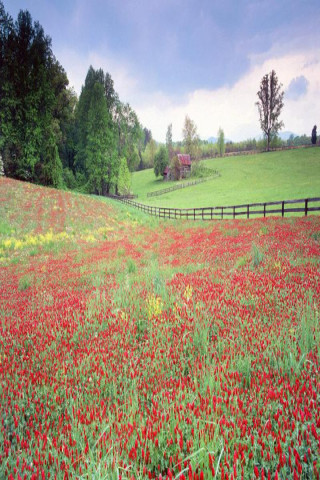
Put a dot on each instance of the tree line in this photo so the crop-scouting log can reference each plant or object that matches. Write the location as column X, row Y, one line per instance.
column 47, row 134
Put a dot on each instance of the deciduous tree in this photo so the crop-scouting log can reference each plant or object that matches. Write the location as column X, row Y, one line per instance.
column 191, row 139
column 270, row 105
column 161, row 161
column 124, row 178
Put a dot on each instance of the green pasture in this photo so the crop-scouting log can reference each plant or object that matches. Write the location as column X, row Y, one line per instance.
column 263, row 177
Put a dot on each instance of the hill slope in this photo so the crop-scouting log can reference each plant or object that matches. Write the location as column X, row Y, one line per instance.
column 135, row 348
column 263, row 177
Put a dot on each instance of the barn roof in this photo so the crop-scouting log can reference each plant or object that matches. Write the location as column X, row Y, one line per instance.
column 184, row 159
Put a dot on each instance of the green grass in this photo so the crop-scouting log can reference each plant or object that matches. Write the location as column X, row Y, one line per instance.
column 262, row 177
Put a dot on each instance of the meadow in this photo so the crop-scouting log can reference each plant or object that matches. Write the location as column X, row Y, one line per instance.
column 135, row 348
column 264, row 177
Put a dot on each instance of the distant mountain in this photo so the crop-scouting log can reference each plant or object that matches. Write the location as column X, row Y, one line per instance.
column 215, row 139
column 286, row 135
column 283, row 135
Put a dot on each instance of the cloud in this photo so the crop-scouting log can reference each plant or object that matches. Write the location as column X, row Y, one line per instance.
column 297, row 87
column 233, row 108
column 77, row 65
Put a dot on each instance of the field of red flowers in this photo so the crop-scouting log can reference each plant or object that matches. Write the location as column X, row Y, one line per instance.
column 137, row 349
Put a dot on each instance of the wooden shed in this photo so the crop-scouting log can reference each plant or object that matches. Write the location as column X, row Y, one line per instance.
column 185, row 165
column 182, row 168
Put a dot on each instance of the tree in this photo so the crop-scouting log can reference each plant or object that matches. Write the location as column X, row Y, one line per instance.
column 314, row 135
column 129, row 132
column 220, row 142
column 270, row 105
column 149, row 153
column 33, row 97
column 175, row 168
column 147, row 136
column 124, row 178
column 161, row 161
column 100, row 151
column 169, row 143
column 191, row 138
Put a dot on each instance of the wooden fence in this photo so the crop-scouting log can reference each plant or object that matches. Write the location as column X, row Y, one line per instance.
column 184, row 184
column 302, row 206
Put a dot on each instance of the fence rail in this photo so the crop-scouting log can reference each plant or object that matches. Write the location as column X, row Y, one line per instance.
column 213, row 173
column 304, row 206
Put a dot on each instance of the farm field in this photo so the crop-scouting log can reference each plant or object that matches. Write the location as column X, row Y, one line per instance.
column 264, row 177
column 134, row 348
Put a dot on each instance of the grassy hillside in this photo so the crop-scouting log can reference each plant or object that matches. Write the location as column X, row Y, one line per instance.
column 245, row 179
column 134, row 348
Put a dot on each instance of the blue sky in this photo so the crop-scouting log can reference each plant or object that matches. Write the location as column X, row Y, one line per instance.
column 203, row 58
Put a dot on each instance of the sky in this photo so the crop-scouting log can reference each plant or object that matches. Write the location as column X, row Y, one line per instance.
column 201, row 58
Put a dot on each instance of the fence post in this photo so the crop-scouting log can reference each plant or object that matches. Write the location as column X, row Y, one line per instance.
column 234, row 211
column 282, row 209
column 222, row 212
column 264, row 210
column 248, row 206
column 306, row 207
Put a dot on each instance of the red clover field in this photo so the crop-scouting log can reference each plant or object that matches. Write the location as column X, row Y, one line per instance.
column 134, row 348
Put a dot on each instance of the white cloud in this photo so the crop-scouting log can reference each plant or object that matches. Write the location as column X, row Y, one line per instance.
column 231, row 107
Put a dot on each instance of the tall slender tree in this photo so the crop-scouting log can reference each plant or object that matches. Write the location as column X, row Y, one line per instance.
column 191, row 138
column 169, row 143
column 221, row 142
column 100, row 150
column 270, row 105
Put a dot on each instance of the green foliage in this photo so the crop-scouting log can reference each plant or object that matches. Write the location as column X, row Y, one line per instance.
column 32, row 101
column 161, row 161
column 175, row 168
column 106, row 131
column 124, row 178
column 24, row 282
column 191, row 139
column 129, row 133
column 220, row 142
column 46, row 135
column 270, row 105
column 131, row 265
column 100, row 150
column 257, row 256
column 149, row 154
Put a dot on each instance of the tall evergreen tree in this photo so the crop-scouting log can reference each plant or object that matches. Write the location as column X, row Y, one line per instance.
column 221, row 142
column 101, row 155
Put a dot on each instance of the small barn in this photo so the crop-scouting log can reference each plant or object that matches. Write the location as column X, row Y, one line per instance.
column 185, row 165
column 182, row 168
